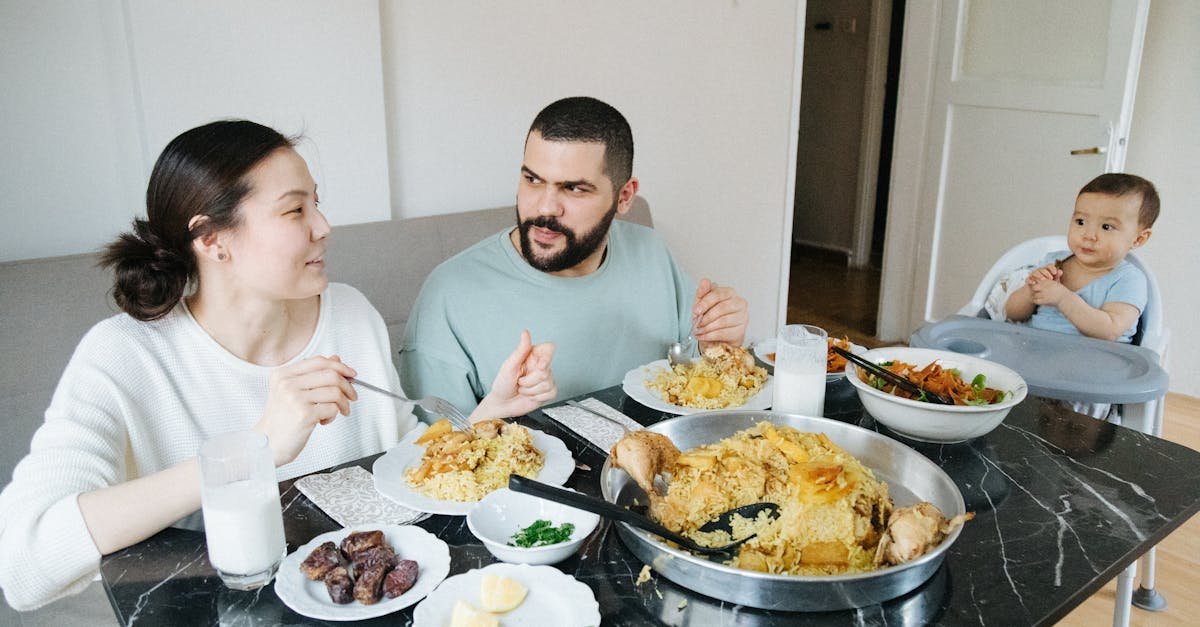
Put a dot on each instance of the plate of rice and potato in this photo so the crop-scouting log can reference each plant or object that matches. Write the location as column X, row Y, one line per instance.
column 725, row 377
column 440, row 470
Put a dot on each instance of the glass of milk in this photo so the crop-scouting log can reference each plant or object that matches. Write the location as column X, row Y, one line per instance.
column 800, row 361
column 243, row 522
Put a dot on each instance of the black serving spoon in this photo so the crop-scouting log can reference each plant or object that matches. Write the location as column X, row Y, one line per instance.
column 893, row 378
column 517, row 483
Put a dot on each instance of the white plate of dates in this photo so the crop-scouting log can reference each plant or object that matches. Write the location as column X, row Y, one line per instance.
column 362, row 571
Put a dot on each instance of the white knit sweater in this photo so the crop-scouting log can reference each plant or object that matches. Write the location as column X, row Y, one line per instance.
column 140, row 397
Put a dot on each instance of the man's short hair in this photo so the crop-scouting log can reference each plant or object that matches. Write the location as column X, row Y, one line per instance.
column 1120, row 184
column 584, row 119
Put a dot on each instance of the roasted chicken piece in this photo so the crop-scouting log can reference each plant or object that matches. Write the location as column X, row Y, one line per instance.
column 488, row 429
column 645, row 455
column 912, row 531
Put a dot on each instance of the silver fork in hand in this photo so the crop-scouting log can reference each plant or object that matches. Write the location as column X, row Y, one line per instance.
column 434, row 404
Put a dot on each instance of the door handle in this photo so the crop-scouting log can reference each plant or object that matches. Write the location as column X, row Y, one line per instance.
column 1094, row 150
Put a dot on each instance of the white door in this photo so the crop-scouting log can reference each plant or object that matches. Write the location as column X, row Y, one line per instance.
column 1023, row 102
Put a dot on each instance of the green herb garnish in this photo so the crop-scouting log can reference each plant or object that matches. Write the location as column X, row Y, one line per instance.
column 978, row 381
column 542, row 533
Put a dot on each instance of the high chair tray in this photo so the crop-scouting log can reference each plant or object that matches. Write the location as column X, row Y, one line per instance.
column 1055, row 365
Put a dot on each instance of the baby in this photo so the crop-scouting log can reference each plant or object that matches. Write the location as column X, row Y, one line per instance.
column 1092, row 289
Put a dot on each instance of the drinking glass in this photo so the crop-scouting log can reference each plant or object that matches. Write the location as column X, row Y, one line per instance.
column 800, row 362
column 243, row 522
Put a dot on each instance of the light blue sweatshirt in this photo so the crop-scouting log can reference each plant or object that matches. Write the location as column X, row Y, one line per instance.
column 470, row 313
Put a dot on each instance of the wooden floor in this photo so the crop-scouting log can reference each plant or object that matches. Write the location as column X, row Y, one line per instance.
column 844, row 302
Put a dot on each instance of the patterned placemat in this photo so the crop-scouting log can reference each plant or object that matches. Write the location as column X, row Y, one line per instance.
column 594, row 429
column 349, row 497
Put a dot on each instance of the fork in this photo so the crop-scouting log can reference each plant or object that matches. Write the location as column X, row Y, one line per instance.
column 434, row 404
column 593, row 412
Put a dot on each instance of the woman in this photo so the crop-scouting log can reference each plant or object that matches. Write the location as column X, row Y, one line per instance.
column 229, row 323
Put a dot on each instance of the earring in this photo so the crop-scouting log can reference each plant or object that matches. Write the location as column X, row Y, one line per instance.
column 221, row 257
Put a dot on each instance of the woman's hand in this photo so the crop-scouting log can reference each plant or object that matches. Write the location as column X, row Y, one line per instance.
column 523, row 383
column 301, row 396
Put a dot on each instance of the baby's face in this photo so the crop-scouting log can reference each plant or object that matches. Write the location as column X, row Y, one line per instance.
column 1104, row 228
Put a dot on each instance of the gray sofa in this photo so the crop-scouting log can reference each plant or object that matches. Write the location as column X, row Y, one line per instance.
column 46, row 305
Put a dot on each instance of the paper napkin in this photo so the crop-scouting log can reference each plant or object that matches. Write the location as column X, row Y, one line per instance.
column 596, row 430
column 349, row 497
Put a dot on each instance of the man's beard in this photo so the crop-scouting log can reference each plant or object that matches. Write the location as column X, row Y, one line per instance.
column 576, row 249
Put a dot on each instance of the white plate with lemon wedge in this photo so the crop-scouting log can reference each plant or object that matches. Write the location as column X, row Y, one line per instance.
column 516, row 594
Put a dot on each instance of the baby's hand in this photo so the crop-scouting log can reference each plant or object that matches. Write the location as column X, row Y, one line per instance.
column 1044, row 274
column 1048, row 292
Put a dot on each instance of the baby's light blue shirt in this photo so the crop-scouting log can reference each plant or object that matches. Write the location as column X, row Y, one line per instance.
column 1124, row 284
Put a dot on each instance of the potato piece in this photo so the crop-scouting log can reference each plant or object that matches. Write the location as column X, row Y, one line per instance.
column 435, row 430
column 501, row 594
column 825, row 554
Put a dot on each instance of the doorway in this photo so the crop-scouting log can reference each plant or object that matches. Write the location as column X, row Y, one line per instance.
column 843, row 166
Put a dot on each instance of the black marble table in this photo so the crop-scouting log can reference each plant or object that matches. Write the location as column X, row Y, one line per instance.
column 1063, row 504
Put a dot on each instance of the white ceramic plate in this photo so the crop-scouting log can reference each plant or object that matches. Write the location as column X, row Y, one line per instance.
column 634, row 387
column 554, row 598
column 311, row 599
column 767, row 347
column 389, row 472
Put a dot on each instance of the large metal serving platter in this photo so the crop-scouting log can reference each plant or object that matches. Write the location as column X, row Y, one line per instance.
column 910, row 478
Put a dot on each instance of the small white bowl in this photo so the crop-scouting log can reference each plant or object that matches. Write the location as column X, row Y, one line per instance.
column 502, row 513
column 928, row 422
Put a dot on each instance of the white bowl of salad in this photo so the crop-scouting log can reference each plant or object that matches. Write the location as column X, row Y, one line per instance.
column 984, row 392
column 524, row 529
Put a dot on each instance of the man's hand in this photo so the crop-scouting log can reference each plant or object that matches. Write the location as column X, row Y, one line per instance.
column 524, row 382
column 719, row 315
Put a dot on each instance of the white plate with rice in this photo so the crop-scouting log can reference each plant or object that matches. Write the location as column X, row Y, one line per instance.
column 554, row 598
column 557, row 466
column 634, row 386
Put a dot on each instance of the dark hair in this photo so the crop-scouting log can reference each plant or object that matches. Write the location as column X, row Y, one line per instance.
column 201, row 172
column 584, row 119
column 1120, row 184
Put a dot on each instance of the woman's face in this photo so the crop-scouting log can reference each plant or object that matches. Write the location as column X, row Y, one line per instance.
column 278, row 249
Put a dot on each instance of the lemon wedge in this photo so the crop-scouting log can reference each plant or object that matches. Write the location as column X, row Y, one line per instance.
column 501, row 594
column 464, row 615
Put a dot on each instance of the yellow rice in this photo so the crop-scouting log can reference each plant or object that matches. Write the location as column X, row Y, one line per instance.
column 828, row 500
column 676, row 384
column 486, row 465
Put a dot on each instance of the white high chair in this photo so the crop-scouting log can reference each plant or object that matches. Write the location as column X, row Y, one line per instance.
column 1146, row 417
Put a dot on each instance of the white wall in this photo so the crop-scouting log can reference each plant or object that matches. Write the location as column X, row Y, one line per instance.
column 94, row 89
column 1164, row 146
column 707, row 89
column 412, row 108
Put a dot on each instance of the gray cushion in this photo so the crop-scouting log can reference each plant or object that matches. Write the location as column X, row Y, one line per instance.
column 46, row 305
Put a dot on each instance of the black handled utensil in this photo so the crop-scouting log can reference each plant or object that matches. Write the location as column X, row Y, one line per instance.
column 517, row 483
column 893, row 378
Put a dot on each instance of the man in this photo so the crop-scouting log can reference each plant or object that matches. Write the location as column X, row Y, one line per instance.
column 607, row 294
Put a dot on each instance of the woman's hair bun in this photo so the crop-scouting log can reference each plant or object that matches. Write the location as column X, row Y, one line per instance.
column 150, row 275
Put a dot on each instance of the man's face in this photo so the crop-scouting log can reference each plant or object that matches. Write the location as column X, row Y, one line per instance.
column 565, row 204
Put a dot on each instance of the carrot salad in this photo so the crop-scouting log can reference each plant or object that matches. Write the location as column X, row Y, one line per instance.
column 934, row 378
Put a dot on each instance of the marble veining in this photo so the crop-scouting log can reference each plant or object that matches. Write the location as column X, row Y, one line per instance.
column 1061, row 504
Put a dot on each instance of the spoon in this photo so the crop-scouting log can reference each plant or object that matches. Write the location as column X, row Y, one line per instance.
column 683, row 354
column 724, row 520
column 517, row 483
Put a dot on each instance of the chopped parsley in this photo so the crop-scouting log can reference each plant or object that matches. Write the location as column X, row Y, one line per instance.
column 542, row 533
